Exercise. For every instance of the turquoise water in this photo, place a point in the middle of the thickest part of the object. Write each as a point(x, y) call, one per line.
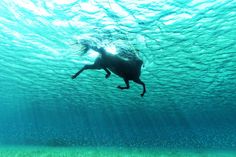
point(189, 54)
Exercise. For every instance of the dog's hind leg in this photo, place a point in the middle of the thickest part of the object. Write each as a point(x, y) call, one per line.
point(108, 72)
point(86, 67)
point(138, 81)
point(127, 85)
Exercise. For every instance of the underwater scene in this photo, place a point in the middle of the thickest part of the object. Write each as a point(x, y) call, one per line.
point(118, 78)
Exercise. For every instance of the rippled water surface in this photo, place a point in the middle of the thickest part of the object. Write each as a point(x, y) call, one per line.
point(189, 53)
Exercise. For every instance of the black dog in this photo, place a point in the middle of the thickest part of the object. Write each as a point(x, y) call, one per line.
point(126, 68)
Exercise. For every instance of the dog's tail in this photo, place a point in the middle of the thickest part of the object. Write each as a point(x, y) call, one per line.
point(86, 46)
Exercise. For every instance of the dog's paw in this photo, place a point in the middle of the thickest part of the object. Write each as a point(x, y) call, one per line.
point(142, 94)
point(107, 76)
point(73, 76)
point(119, 87)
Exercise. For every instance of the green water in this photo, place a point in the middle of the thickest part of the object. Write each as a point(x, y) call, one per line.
point(103, 152)
point(189, 54)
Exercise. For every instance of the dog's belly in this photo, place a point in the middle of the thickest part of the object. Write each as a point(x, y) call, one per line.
point(124, 68)
point(116, 71)
point(126, 72)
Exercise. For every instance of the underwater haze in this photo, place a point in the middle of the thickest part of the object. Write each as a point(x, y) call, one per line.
point(189, 52)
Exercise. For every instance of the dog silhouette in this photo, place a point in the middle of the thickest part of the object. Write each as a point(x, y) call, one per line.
point(128, 69)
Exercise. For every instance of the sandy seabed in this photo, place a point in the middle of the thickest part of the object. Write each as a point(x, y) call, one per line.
point(107, 152)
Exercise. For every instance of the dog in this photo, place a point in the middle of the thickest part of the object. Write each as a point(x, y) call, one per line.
point(128, 69)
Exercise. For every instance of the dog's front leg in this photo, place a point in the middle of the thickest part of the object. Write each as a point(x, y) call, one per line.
point(127, 85)
point(143, 84)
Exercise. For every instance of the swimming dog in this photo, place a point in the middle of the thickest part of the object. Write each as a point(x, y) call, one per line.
point(128, 69)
